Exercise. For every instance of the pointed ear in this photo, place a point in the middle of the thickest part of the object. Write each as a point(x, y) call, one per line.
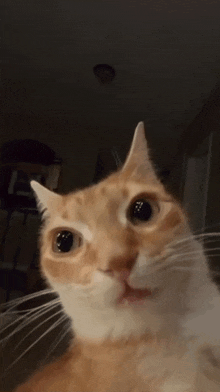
point(44, 197)
point(138, 162)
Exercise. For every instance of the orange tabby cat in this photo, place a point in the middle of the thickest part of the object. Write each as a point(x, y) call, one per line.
point(134, 281)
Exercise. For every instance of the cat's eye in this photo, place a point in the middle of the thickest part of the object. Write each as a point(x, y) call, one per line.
point(65, 241)
point(140, 210)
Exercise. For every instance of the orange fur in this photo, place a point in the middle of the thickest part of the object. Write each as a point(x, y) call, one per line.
point(106, 367)
point(114, 350)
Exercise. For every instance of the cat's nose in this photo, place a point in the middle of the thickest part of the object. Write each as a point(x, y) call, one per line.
point(122, 263)
point(120, 267)
point(123, 275)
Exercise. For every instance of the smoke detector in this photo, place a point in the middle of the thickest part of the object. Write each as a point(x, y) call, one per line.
point(104, 73)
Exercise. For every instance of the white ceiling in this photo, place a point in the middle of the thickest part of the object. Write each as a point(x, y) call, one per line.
point(166, 63)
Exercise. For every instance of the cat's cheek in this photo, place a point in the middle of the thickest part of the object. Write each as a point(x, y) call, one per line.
point(66, 272)
point(106, 291)
point(142, 276)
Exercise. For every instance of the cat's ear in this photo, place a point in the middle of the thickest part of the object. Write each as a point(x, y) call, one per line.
point(44, 197)
point(138, 161)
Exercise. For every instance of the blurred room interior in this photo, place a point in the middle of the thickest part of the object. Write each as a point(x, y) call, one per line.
point(77, 77)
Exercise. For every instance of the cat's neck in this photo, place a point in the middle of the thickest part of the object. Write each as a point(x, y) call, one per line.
point(166, 336)
point(90, 347)
point(118, 351)
point(114, 352)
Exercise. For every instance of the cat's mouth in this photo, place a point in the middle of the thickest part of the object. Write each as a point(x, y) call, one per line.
point(134, 296)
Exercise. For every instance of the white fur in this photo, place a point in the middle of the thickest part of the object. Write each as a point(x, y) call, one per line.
point(182, 296)
point(178, 369)
point(44, 196)
point(205, 323)
point(122, 213)
point(95, 315)
point(185, 310)
point(187, 306)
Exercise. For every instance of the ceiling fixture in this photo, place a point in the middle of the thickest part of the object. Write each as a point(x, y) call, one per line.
point(104, 73)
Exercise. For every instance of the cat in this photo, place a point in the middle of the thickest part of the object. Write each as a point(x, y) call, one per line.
point(133, 279)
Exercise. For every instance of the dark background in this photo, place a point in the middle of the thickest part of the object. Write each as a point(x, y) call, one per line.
point(165, 61)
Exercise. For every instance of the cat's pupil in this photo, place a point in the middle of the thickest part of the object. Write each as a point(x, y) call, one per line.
point(64, 241)
point(140, 210)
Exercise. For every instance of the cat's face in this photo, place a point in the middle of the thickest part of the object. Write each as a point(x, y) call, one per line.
point(101, 246)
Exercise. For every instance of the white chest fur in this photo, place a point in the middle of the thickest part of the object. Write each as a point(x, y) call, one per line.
point(174, 363)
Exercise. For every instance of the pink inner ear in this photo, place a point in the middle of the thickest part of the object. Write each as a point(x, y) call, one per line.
point(138, 163)
point(138, 153)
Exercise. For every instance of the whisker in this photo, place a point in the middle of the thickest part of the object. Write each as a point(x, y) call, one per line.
point(207, 240)
point(14, 312)
point(36, 294)
point(8, 311)
point(58, 322)
point(211, 249)
point(38, 326)
point(182, 268)
point(59, 338)
point(214, 255)
point(161, 266)
point(203, 242)
point(206, 227)
point(195, 252)
point(27, 313)
point(191, 237)
point(28, 320)
point(191, 253)
point(12, 323)
point(18, 301)
point(180, 257)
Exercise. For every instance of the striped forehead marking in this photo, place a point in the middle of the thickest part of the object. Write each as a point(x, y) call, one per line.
point(75, 225)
